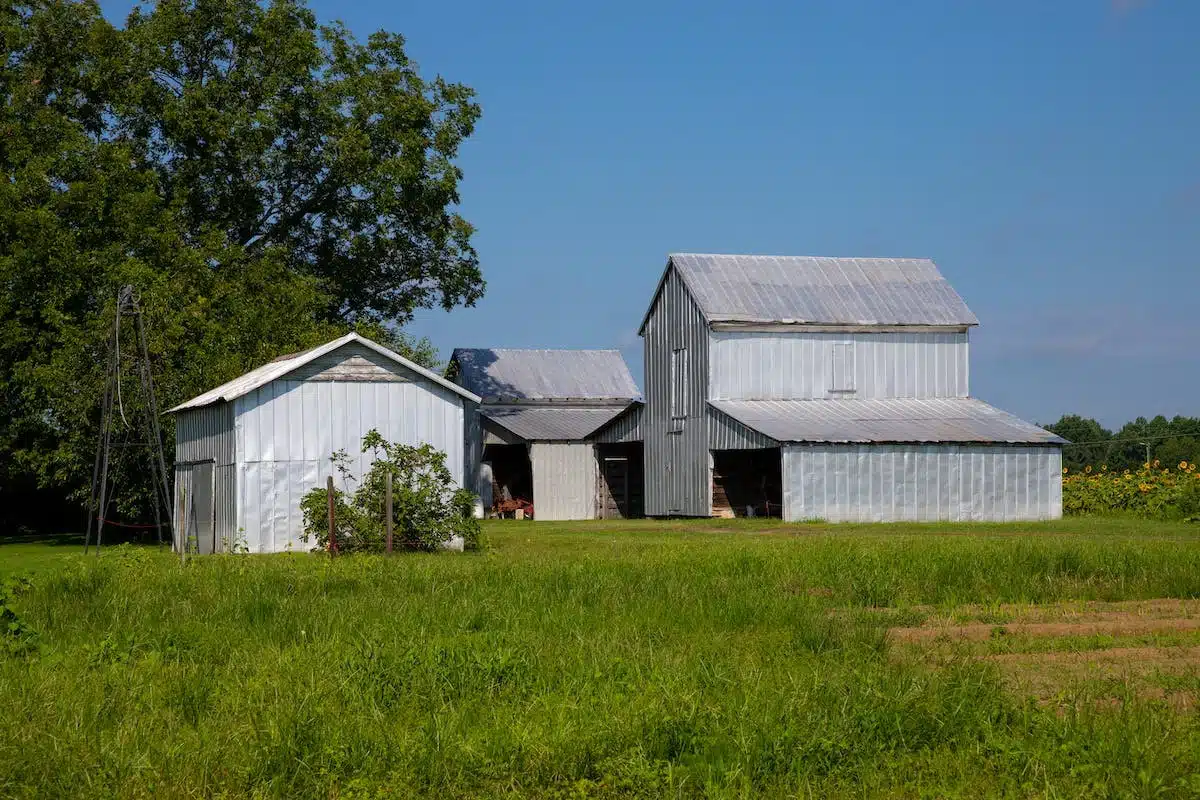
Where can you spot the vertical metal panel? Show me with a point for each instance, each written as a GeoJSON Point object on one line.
{"type": "Point", "coordinates": [473, 449]}
{"type": "Point", "coordinates": [626, 427]}
{"type": "Point", "coordinates": [726, 433]}
{"type": "Point", "coordinates": [564, 480]}
{"type": "Point", "coordinates": [224, 491]}
{"type": "Point", "coordinates": [789, 365]}
{"type": "Point", "coordinates": [182, 486]}
{"type": "Point", "coordinates": [205, 434]}
{"type": "Point", "coordinates": [676, 452]}
{"type": "Point", "coordinates": [225, 498]}
{"type": "Point", "coordinates": [288, 430]}
{"type": "Point", "coordinates": [956, 483]}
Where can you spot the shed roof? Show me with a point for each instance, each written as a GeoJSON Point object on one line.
{"type": "Point", "coordinates": [498, 374]}
{"type": "Point", "coordinates": [552, 424]}
{"type": "Point", "coordinates": [819, 291]}
{"type": "Point", "coordinates": [280, 368]}
{"type": "Point", "coordinates": [942, 419]}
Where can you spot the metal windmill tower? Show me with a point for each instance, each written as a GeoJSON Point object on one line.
{"type": "Point", "coordinates": [112, 413]}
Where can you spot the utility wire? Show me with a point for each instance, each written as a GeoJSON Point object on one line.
{"type": "Point", "coordinates": [1136, 440]}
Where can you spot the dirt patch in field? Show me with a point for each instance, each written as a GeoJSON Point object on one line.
{"type": "Point", "coordinates": [1071, 611]}
{"type": "Point", "coordinates": [981, 631]}
{"type": "Point", "coordinates": [1057, 620]}
{"type": "Point", "coordinates": [1073, 674]}
{"type": "Point", "coordinates": [1103, 676]}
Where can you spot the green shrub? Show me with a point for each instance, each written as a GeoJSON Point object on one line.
{"type": "Point", "coordinates": [428, 508]}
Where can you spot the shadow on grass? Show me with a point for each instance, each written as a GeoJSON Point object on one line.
{"type": "Point", "coordinates": [73, 538]}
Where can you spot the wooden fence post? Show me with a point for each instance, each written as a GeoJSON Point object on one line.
{"type": "Point", "coordinates": [333, 548]}
{"type": "Point", "coordinates": [387, 512]}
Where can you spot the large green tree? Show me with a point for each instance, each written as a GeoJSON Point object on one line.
{"type": "Point", "coordinates": [263, 181]}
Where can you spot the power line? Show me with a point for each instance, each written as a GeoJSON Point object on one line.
{"type": "Point", "coordinates": [1135, 440]}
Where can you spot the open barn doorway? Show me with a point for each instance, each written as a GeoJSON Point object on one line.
{"type": "Point", "coordinates": [512, 477]}
{"type": "Point", "coordinates": [747, 483]}
{"type": "Point", "coordinates": [622, 481]}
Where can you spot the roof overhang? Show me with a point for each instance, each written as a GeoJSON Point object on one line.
{"type": "Point", "coordinates": [958, 420]}
{"type": "Point", "coordinates": [548, 423]}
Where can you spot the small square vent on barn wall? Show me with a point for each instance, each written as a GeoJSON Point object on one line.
{"type": "Point", "coordinates": [841, 374]}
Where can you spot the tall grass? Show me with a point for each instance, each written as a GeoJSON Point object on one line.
{"type": "Point", "coordinates": [588, 662]}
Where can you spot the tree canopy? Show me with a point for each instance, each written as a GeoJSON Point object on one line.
{"type": "Point", "coordinates": [263, 181]}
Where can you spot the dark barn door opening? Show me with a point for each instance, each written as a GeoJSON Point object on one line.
{"type": "Point", "coordinates": [199, 528]}
{"type": "Point", "coordinates": [512, 475]}
{"type": "Point", "coordinates": [747, 483]}
{"type": "Point", "coordinates": [622, 481]}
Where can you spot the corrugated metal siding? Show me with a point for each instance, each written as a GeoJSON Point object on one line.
{"type": "Point", "coordinates": [835, 291]}
{"type": "Point", "coordinates": [472, 448]}
{"type": "Point", "coordinates": [205, 434]}
{"type": "Point", "coordinates": [797, 365]}
{"type": "Point", "coordinates": [931, 419]}
{"type": "Point", "coordinates": [677, 472]}
{"type": "Point", "coordinates": [182, 486]}
{"type": "Point", "coordinates": [625, 428]}
{"type": "Point", "coordinates": [545, 374]}
{"type": "Point", "coordinates": [564, 480]}
{"type": "Point", "coordinates": [726, 433]}
{"type": "Point", "coordinates": [957, 483]}
{"type": "Point", "coordinates": [224, 499]}
{"type": "Point", "coordinates": [287, 431]}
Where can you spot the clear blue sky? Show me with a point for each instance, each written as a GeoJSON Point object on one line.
{"type": "Point", "coordinates": [1046, 155]}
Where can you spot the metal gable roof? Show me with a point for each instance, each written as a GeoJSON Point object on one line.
{"type": "Point", "coordinates": [948, 419]}
{"type": "Point", "coordinates": [499, 374]}
{"type": "Point", "coordinates": [280, 367]}
{"type": "Point", "coordinates": [820, 291]}
{"type": "Point", "coordinates": [551, 424]}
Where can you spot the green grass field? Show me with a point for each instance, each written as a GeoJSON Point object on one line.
{"type": "Point", "coordinates": [714, 658]}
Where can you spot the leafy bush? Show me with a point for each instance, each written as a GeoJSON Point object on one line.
{"type": "Point", "coordinates": [428, 508]}
{"type": "Point", "coordinates": [1149, 492]}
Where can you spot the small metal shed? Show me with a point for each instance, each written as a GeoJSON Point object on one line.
{"type": "Point", "coordinates": [247, 451]}
{"type": "Point", "coordinates": [560, 430]}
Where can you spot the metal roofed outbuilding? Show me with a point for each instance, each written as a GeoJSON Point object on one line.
{"type": "Point", "coordinates": [248, 450]}
{"type": "Point", "coordinates": [540, 411]}
{"type": "Point", "coordinates": [827, 387]}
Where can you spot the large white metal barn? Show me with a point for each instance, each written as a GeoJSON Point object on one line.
{"type": "Point", "coordinates": [247, 451]}
{"type": "Point", "coordinates": [831, 388]}
{"type": "Point", "coordinates": [560, 430]}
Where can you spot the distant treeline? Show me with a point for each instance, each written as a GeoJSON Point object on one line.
{"type": "Point", "coordinates": [1171, 442]}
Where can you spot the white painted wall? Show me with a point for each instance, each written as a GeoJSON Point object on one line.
{"type": "Point", "coordinates": [287, 431]}
{"type": "Point", "coordinates": [790, 365]}
{"type": "Point", "coordinates": [564, 480]}
{"type": "Point", "coordinates": [886, 483]}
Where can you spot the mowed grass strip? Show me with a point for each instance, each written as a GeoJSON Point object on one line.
{"type": "Point", "coordinates": [627, 659]}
